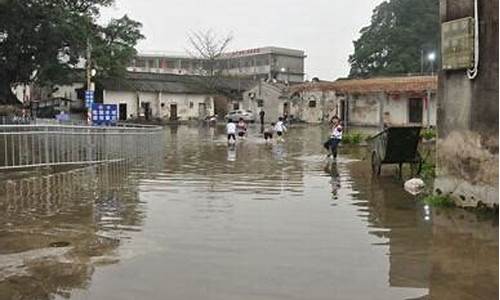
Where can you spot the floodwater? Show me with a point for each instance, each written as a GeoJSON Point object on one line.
{"type": "Point", "coordinates": [255, 222]}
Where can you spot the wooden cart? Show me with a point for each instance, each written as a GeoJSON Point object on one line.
{"type": "Point", "coordinates": [396, 145]}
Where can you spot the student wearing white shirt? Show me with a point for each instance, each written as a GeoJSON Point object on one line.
{"type": "Point", "coordinates": [280, 127]}
{"type": "Point", "coordinates": [336, 137]}
{"type": "Point", "coordinates": [231, 131]}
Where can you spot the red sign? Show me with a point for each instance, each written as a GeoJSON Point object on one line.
{"type": "Point", "coordinates": [245, 52]}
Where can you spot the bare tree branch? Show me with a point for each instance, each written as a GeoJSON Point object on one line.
{"type": "Point", "coordinates": [208, 48]}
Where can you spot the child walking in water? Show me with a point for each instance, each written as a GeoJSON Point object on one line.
{"type": "Point", "coordinates": [336, 137]}
{"type": "Point", "coordinates": [280, 128]}
{"type": "Point", "coordinates": [231, 131]}
{"type": "Point", "coordinates": [268, 132]}
{"type": "Point", "coordinates": [242, 128]}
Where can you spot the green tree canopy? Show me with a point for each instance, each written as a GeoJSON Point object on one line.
{"type": "Point", "coordinates": [43, 41]}
{"type": "Point", "coordinates": [393, 43]}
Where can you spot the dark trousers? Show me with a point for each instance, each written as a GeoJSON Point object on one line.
{"type": "Point", "coordinates": [334, 143]}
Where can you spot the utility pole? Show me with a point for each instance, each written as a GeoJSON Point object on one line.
{"type": "Point", "coordinates": [88, 65]}
{"type": "Point", "coordinates": [89, 92]}
{"type": "Point", "coordinates": [429, 95]}
{"type": "Point", "coordinates": [422, 61]}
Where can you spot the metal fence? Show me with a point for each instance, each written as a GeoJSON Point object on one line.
{"type": "Point", "coordinates": [26, 146]}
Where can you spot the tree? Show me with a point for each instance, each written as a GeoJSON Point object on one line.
{"type": "Point", "coordinates": [392, 44]}
{"type": "Point", "coordinates": [207, 48]}
{"type": "Point", "coordinates": [114, 47]}
{"type": "Point", "coordinates": [42, 41]}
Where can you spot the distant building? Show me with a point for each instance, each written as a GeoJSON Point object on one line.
{"type": "Point", "coordinates": [266, 96]}
{"type": "Point", "coordinates": [282, 64]}
{"type": "Point", "coordinates": [467, 165]}
{"type": "Point", "coordinates": [164, 96]}
{"type": "Point", "coordinates": [371, 102]}
{"type": "Point", "coordinates": [167, 63]}
{"type": "Point", "coordinates": [168, 96]}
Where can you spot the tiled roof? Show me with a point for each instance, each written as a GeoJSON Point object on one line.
{"type": "Point", "coordinates": [372, 85]}
{"type": "Point", "coordinates": [169, 83]}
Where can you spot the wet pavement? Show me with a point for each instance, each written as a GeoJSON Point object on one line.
{"type": "Point", "coordinates": [255, 222]}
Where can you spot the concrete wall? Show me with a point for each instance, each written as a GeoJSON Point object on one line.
{"type": "Point", "coordinates": [326, 106]}
{"type": "Point", "coordinates": [129, 98]}
{"type": "Point", "coordinates": [270, 95]}
{"type": "Point", "coordinates": [468, 115]}
{"type": "Point", "coordinates": [364, 110]}
{"type": "Point", "coordinates": [303, 109]}
{"type": "Point", "coordinates": [397, 111]}
{"type": "Point", "coordinates": [188, 105]}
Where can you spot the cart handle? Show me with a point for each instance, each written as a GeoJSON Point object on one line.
{"type": "Point", "coordinates": [374, 136]}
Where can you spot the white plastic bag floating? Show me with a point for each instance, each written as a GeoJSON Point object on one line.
{"type": "Point", "coordinates": [414, 186]}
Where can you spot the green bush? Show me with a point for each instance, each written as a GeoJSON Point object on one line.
{"type": "Point", "coordinates": [439, 201]}
{"type": "Point", "coordinates": [428, 171]}
{"type": "Point", "coordinates": [428, 134]}
{"type": "Point", "coordinates": [354, 138]}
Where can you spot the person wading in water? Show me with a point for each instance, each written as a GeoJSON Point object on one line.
{"type": "Point", "coordinates": [336, 137]}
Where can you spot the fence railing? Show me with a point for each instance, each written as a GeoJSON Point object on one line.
{"type": "Point", "coordinates": [26, 146]}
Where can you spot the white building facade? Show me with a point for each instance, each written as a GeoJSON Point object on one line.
{"type": "Point", "coordinates": [171, 98]}
{"type": "Point", "coordinates": [375, 102]}
{"type": "Point", "coordinates": [278, 63]}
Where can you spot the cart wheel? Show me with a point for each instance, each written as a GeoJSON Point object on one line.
{"type": "Point", "coordinates": [376, 165]}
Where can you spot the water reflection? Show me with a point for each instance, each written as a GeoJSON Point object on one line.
{"type": "Point", "coordinates": [464, 256]}
{"type": "Point", "coordinates": [257, 221]}
{"type": "Point", "coordinates": [332, 169]}
{"type": "Point", "coordinates": [231, 153]}
{"type": "Point", "coordinates": [55, 229]}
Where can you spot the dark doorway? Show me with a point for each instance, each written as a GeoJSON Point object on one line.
{"type": "Point", "coordinates": [173, 112]}
{"type": "Point", "coordinates": [123, 111]}
{"type": "Point", "coordinates": [202, 110]}
{"type": "Point", "coordinates": [415, 109]}
{"type": "Point", "coordinates": [146, 106]}
{"type": "Point", "coordinates": [343, 111]}
{"type": "Point", "coordinates": [286, 108]}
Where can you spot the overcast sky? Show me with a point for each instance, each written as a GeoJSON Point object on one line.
{"type": "Point", "coordinates": [324, 29]}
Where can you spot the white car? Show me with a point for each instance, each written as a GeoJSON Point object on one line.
{"type": "Point", "coordinates": [245, 114]}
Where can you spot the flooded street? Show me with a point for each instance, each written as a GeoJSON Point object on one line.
{"type": "Point", "coordinates": [258, 222]}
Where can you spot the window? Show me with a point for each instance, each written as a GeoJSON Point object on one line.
{"type": "Point", "coordinates": [185, 64]}
{"type": "Point", "coordinates": [260, 103]}
{"type": "Point", "coordinates": [191, 104]}
{"type": "Point", "coordinates": [312, 103]}
{"type": "Point", "coordinates": [152, 63]}
{"type": "Point", "coordinates": [140, 63]}
{"type": "Point", "coordinates": [415, 110]}
{"type": "Point", "coordinates": [236, 106]}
